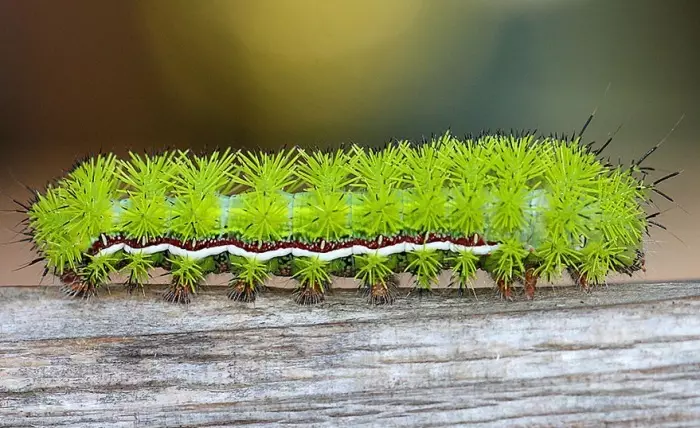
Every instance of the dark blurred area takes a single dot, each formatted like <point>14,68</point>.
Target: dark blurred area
<point>77,76</point>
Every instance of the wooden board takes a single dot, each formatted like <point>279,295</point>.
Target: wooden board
<point>627,355</point>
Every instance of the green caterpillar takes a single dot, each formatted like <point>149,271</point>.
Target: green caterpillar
<point>519,207</point>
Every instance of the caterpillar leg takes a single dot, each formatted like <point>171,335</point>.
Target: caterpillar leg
<point>505,289</point>
<point>310,294</point>
<point>75,286</point>
<point>80,289</point>
<point>241,291</point>
<point>642,263</point>
<point>422,291</point>
<point>177,294</point>
<point>132,286</point>
<point>582,281</point>
<point>382,294</point>
<point>530,283</point>
<point>465,290</point>
<point>639,264</point>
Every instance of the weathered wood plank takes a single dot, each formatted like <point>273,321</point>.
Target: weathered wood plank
<point>626,355</point>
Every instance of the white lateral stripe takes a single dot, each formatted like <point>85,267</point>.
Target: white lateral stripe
<point>299,252</point>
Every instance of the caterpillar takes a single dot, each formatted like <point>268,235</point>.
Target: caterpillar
<point>519,206</point>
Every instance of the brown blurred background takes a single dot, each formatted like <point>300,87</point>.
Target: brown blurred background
<point>80,75</point>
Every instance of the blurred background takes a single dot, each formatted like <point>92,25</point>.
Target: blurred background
<point>77,76</point>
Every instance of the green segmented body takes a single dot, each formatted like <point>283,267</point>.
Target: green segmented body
<point>544,205</point>
<point>301,221</point>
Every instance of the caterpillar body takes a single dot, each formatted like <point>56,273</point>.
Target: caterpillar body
<point>519,206</point>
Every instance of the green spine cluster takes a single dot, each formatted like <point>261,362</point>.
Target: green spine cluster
<point>551,204</point>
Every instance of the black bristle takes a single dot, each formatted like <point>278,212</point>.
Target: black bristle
<point>653,149</point>
<point>600,150</point>
<point>646,155</point>
<point>19,241</point>
<point>32,263</point>
<point>660,193</point>
<point>658,225</point>
<point>654,215</point>
<point>585,125</point>
<point>666,177</point>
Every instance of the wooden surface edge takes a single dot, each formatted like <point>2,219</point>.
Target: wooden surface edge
<point>626,355</point>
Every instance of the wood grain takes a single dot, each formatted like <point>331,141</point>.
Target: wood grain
<point>627,355</point>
